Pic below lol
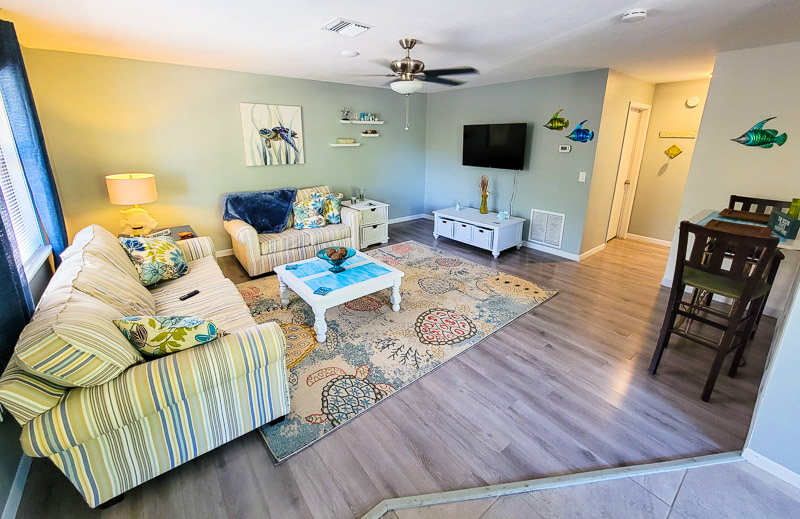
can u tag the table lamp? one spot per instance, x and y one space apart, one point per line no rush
133 189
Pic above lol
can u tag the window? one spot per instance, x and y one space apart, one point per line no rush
17 198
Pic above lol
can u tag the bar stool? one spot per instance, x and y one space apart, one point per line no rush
742 279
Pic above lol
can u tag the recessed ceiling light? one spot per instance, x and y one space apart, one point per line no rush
349 53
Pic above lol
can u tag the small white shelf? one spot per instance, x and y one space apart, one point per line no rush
361 122
334 145
370 135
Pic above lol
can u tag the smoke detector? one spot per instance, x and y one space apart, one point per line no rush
634 15
345 27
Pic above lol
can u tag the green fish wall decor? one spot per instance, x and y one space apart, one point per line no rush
758 136
556 122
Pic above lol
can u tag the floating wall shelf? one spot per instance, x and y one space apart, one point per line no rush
361 122
370 135
334 145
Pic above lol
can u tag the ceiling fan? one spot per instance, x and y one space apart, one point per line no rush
411 72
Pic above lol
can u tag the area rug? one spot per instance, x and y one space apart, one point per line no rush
448 305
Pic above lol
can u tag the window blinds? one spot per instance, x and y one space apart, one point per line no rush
16 195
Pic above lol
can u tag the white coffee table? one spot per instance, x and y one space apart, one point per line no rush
321 289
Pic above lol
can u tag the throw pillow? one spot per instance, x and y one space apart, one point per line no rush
267 211
162 335
156 259
308 213
332 208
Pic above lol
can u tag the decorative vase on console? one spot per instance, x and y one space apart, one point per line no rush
484 193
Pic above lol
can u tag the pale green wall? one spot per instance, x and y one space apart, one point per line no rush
620 90
661 179
549 180
104 115
748 86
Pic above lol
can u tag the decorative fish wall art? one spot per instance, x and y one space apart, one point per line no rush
758 136
581 134
556 122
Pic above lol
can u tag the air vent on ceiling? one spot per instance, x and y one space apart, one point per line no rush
345 27
546 227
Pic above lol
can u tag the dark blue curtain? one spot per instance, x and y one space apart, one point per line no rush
27 132
16 303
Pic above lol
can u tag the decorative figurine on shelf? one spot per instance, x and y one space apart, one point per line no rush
484 193
503 215
345 114
361 191
458 205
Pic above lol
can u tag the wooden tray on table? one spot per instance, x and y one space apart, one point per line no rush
745 216
739 228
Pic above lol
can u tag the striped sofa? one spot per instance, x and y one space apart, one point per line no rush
261 253
105 416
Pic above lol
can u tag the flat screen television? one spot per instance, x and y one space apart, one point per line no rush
499 146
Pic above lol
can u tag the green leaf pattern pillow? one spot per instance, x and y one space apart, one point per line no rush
156 259
162 335
308 213
333 208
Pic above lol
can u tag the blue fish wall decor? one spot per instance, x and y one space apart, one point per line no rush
758 136
581 134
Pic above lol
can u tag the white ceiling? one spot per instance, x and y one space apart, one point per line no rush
506 40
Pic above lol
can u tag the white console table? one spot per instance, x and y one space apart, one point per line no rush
481 230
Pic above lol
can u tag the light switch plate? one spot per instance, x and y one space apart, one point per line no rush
582 176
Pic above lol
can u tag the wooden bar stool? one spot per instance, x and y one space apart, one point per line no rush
741 279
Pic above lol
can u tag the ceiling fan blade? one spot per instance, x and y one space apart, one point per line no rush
450 71
374 75
440 80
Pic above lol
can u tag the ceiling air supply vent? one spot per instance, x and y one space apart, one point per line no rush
546 227
345 27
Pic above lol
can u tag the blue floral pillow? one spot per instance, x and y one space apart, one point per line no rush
332 208
156 259
308 213
162 335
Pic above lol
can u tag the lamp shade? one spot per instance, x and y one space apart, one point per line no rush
131 188
405 87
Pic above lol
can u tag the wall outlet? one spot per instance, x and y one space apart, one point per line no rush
582 176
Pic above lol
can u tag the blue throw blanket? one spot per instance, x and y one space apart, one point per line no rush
266 211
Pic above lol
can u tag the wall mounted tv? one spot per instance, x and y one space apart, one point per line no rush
499 146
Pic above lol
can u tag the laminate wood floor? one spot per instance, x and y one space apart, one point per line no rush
562 389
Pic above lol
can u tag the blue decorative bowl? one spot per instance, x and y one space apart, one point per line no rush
337 264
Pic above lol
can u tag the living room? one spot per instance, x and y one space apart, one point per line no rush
538 367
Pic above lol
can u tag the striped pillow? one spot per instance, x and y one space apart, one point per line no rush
27 396
97 241
97 278
75 343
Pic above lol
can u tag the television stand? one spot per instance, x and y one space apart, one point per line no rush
480 230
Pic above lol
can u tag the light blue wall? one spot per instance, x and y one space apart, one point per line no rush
550 179
103 115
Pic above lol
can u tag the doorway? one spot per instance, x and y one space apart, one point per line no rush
630 162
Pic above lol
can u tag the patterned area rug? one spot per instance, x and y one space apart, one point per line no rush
449 305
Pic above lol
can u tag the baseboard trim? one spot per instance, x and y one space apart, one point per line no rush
15 495
551 250
224 252
648 239
532 485
776 469
409 218
591 252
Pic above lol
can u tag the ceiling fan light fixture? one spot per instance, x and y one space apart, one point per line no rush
406 87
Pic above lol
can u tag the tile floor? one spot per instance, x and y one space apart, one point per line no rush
729 490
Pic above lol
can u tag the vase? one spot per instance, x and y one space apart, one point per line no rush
484 209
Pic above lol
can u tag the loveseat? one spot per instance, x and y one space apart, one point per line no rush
108 418
261 253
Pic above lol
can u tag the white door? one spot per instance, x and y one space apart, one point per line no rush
628 172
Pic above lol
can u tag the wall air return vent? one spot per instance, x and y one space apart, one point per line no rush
546 228
345 27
